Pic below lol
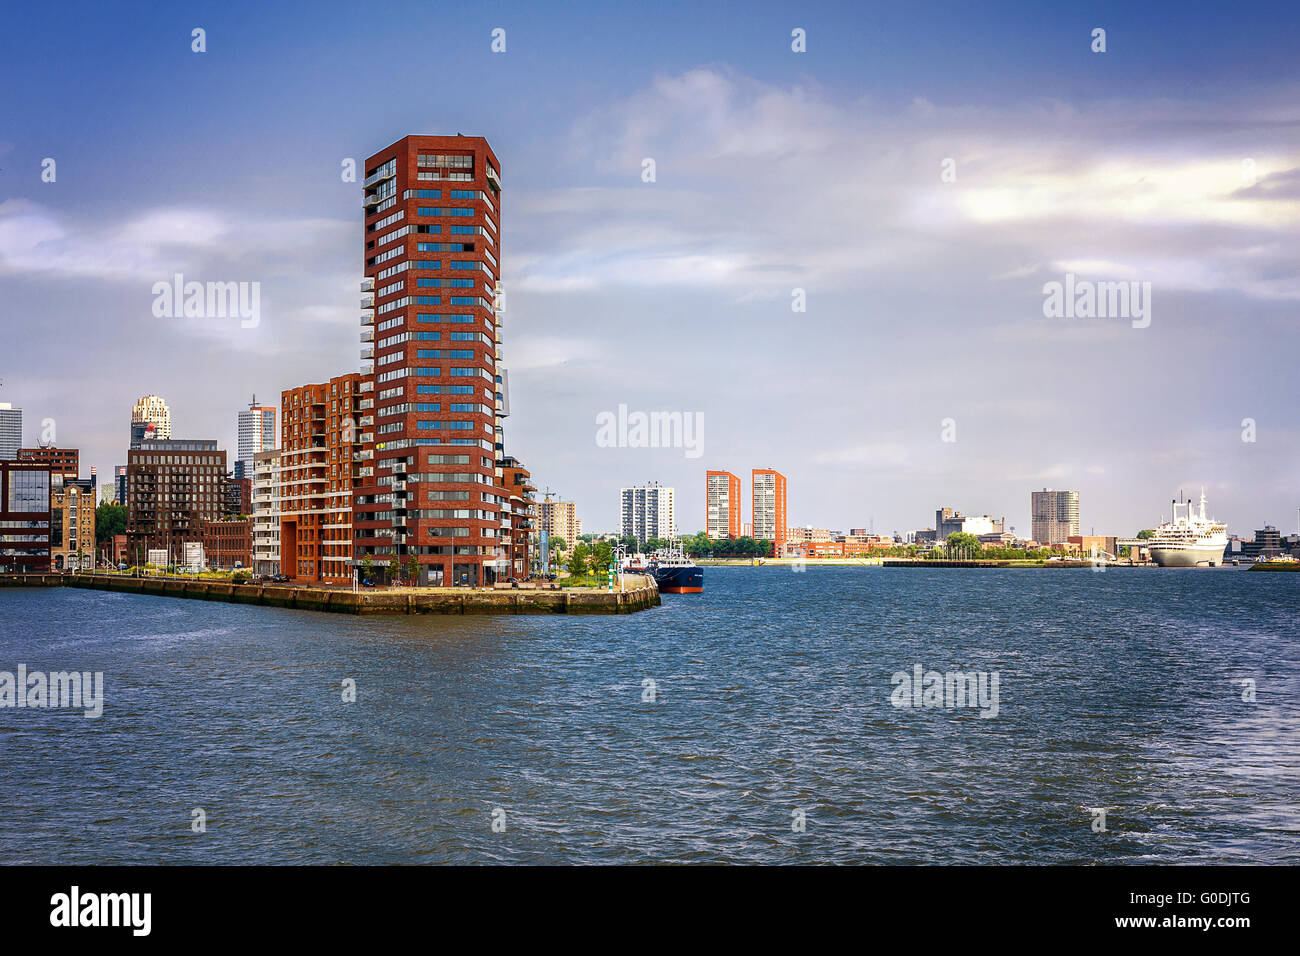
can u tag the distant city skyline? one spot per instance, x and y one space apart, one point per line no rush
923 369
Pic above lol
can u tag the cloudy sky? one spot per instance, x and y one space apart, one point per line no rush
1173 158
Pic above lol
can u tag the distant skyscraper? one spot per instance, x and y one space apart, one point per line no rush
256 434
119 482
11 431
1054 515
151 420
722 505
769 507
648 512
560 520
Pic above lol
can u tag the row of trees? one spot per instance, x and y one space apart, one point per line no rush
962 545
700 545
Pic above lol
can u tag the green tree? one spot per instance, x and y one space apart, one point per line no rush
964 545
368 568
1146 533
578 560
602 556
412 569
110 519
559 544
697 545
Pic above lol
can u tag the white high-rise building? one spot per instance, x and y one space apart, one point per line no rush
266 512
11 431
256 432
649 512
1054 515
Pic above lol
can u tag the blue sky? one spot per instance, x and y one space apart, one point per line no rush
775 171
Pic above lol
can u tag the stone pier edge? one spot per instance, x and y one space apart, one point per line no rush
641 594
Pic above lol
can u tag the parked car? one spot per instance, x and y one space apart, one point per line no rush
280 578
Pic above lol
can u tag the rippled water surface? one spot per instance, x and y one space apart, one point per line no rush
1120 690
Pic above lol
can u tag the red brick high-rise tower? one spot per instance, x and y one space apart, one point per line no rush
432 391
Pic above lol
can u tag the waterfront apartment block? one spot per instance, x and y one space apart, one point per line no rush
946 521
24 516
151 420
320 457
435 390
768 487
519 521
256 433
72 520
1054 516
266 512
11 431
173 488
62 461
648 511
722 505
228 543
559 519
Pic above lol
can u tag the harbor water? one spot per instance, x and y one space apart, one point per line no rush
1142 716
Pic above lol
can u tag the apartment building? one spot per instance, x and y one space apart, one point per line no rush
769 507
522 516
266 512
559 519
722 496
1054 516
434 384
173 488
320 455
648 511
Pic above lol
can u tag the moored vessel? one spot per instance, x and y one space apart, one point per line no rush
672 570
1190 539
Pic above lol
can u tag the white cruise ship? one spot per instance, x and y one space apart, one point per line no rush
1189 540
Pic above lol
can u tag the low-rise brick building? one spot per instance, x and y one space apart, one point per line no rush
228 543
